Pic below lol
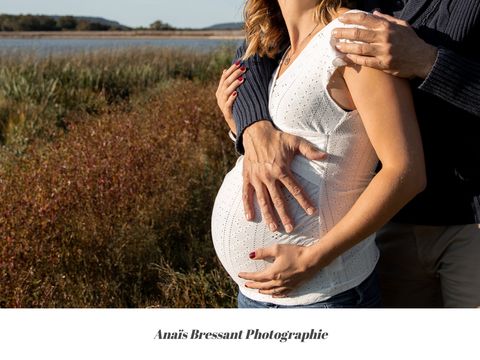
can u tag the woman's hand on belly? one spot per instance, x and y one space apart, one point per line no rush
292 266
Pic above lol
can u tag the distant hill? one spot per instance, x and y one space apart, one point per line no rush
226 26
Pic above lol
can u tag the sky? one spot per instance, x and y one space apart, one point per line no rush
179 13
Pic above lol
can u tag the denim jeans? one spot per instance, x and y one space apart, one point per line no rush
365 295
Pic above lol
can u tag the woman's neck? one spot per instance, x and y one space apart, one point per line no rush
299 18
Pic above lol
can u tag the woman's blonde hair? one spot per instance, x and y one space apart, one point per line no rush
265 28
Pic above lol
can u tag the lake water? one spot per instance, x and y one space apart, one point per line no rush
48 46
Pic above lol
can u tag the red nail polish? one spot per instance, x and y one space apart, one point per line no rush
237 62
234 93
252 255
240 79
243 68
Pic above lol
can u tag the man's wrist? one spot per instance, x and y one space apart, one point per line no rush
258 131
249 132
259 126
429 58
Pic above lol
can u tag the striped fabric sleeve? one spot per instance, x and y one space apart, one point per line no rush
455 79
251 104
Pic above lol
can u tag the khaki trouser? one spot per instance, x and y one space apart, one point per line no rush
429 266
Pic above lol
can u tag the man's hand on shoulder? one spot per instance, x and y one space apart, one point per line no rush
266 168
387 43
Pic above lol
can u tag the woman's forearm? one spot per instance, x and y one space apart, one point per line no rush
393 132
386 194
231 126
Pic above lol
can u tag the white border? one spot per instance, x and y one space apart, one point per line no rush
130 334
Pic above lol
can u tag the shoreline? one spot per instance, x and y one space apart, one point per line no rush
135 34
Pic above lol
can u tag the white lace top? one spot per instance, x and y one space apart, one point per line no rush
300 104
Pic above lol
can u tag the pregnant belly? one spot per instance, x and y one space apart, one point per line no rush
234 237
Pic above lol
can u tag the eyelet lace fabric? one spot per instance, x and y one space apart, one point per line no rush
300 104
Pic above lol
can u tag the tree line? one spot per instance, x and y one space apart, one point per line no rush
64 23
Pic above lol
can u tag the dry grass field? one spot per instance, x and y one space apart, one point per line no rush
109 165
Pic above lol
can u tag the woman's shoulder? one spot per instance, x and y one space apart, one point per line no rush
326 41
336 21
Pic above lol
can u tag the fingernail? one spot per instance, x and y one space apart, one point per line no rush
341 18
235 94
243 68
237 62
240 79
311 210
288 228
334 32
251 256
247 286
272 227
338 46
248 216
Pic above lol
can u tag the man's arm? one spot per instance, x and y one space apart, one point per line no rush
251 104
391 45
455 79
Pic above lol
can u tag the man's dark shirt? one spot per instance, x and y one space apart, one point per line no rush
447 105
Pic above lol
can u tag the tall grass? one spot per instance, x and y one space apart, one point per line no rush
38 95
106 200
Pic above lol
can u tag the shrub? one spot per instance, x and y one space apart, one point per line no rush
115 213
